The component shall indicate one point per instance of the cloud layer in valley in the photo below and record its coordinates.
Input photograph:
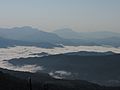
(25, 52)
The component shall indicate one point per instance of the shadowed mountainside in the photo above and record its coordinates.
(101, 68)
(13, 80)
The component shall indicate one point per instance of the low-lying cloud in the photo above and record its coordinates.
(60, 74)
(25, 52)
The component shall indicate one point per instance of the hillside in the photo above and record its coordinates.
(12, 80)
(102, 68)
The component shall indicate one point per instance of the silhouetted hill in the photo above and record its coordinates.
(11, 80)
(8, 82)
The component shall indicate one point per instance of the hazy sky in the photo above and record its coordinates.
(81, 15)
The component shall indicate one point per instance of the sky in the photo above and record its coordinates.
(49, 15)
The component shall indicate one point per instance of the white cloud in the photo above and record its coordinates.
(25, 52)
(60, 74)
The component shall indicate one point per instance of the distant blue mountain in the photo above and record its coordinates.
(29, 34)
(67, 33)
(91, 38)
(32, 36)
(71, 34)
(4, 43)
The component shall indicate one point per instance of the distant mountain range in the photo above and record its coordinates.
(96, 38)
(35, 37)
(70, 34)
(4, 43)
(29, 34)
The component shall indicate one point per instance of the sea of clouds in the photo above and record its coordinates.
(28, 51)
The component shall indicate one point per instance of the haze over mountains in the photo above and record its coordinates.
(98, 37)
(71, 34)
(63, 54)
(59, 44)
(35, 37)
(29, 34)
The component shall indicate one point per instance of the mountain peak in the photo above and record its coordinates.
(64, 30)
(24, 28)
(67, 33)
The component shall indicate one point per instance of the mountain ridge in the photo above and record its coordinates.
(33, 35)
